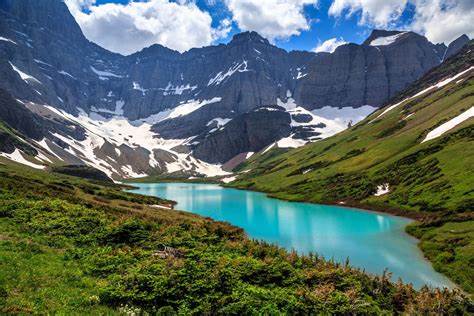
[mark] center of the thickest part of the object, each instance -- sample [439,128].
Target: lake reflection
[370,240]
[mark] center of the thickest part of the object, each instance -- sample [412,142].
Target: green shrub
[129,232]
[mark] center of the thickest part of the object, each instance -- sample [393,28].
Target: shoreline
[414,218]
[413,215]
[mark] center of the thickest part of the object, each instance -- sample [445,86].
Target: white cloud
[182,25]
[439,20]
[128,28]
[77,5]
[271,18]
[374,12]
[444,21]
[330,45]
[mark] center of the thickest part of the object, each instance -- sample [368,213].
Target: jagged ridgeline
[414,157]
[196,113]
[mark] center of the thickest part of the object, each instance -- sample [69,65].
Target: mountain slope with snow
[415,153]
[160,111]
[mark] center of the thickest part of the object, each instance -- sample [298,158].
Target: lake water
[370,240]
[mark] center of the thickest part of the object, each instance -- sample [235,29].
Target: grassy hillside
[432,181]
[70,246]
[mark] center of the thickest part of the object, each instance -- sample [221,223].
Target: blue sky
[125,26]
[323,27]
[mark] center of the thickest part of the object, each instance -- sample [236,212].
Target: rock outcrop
[455,46]
[245,133]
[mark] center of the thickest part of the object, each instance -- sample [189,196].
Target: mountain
[412,157]
[455,46]
[160,111]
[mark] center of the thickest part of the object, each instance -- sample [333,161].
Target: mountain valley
[192,114]
[125,180]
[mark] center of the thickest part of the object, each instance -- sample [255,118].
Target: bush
[129,232]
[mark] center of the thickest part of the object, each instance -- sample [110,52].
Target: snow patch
[187,162]
[161,206]
[7,40]
[436,86]
[268,148]
[24,76]
[181,110]
[85,150]
[118,108]
[345,115]
[387,40]
[326,121]
[440,130]
[267,109]
[219,121]
[331,126]
[128,171]
[118,130]
[18,157]
[42,157]
[229,179]
[187,108]
[46,147]
[382,189]
[220,77]
[177,90]
[290,142]
[300,74]
[42,62]
[290,103]
[64,73]
[136,86]
[104,75]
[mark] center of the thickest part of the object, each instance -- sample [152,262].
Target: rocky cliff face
[243,134]
[455,46]
[370,73]
[161,109]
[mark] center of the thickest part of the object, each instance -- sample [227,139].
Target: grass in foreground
[64,249]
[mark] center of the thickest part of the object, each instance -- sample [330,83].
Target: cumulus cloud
[181,24]
[274,19]
[444,21]
[128,28]
[330,45]
[78,5]
[374,12]
[439,20]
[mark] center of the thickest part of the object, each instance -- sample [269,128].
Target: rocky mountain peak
[456,45]
[249,36]
[376,33]
[49,15]
[156,50]
[464,38]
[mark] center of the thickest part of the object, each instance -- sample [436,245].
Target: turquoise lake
[372,241]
